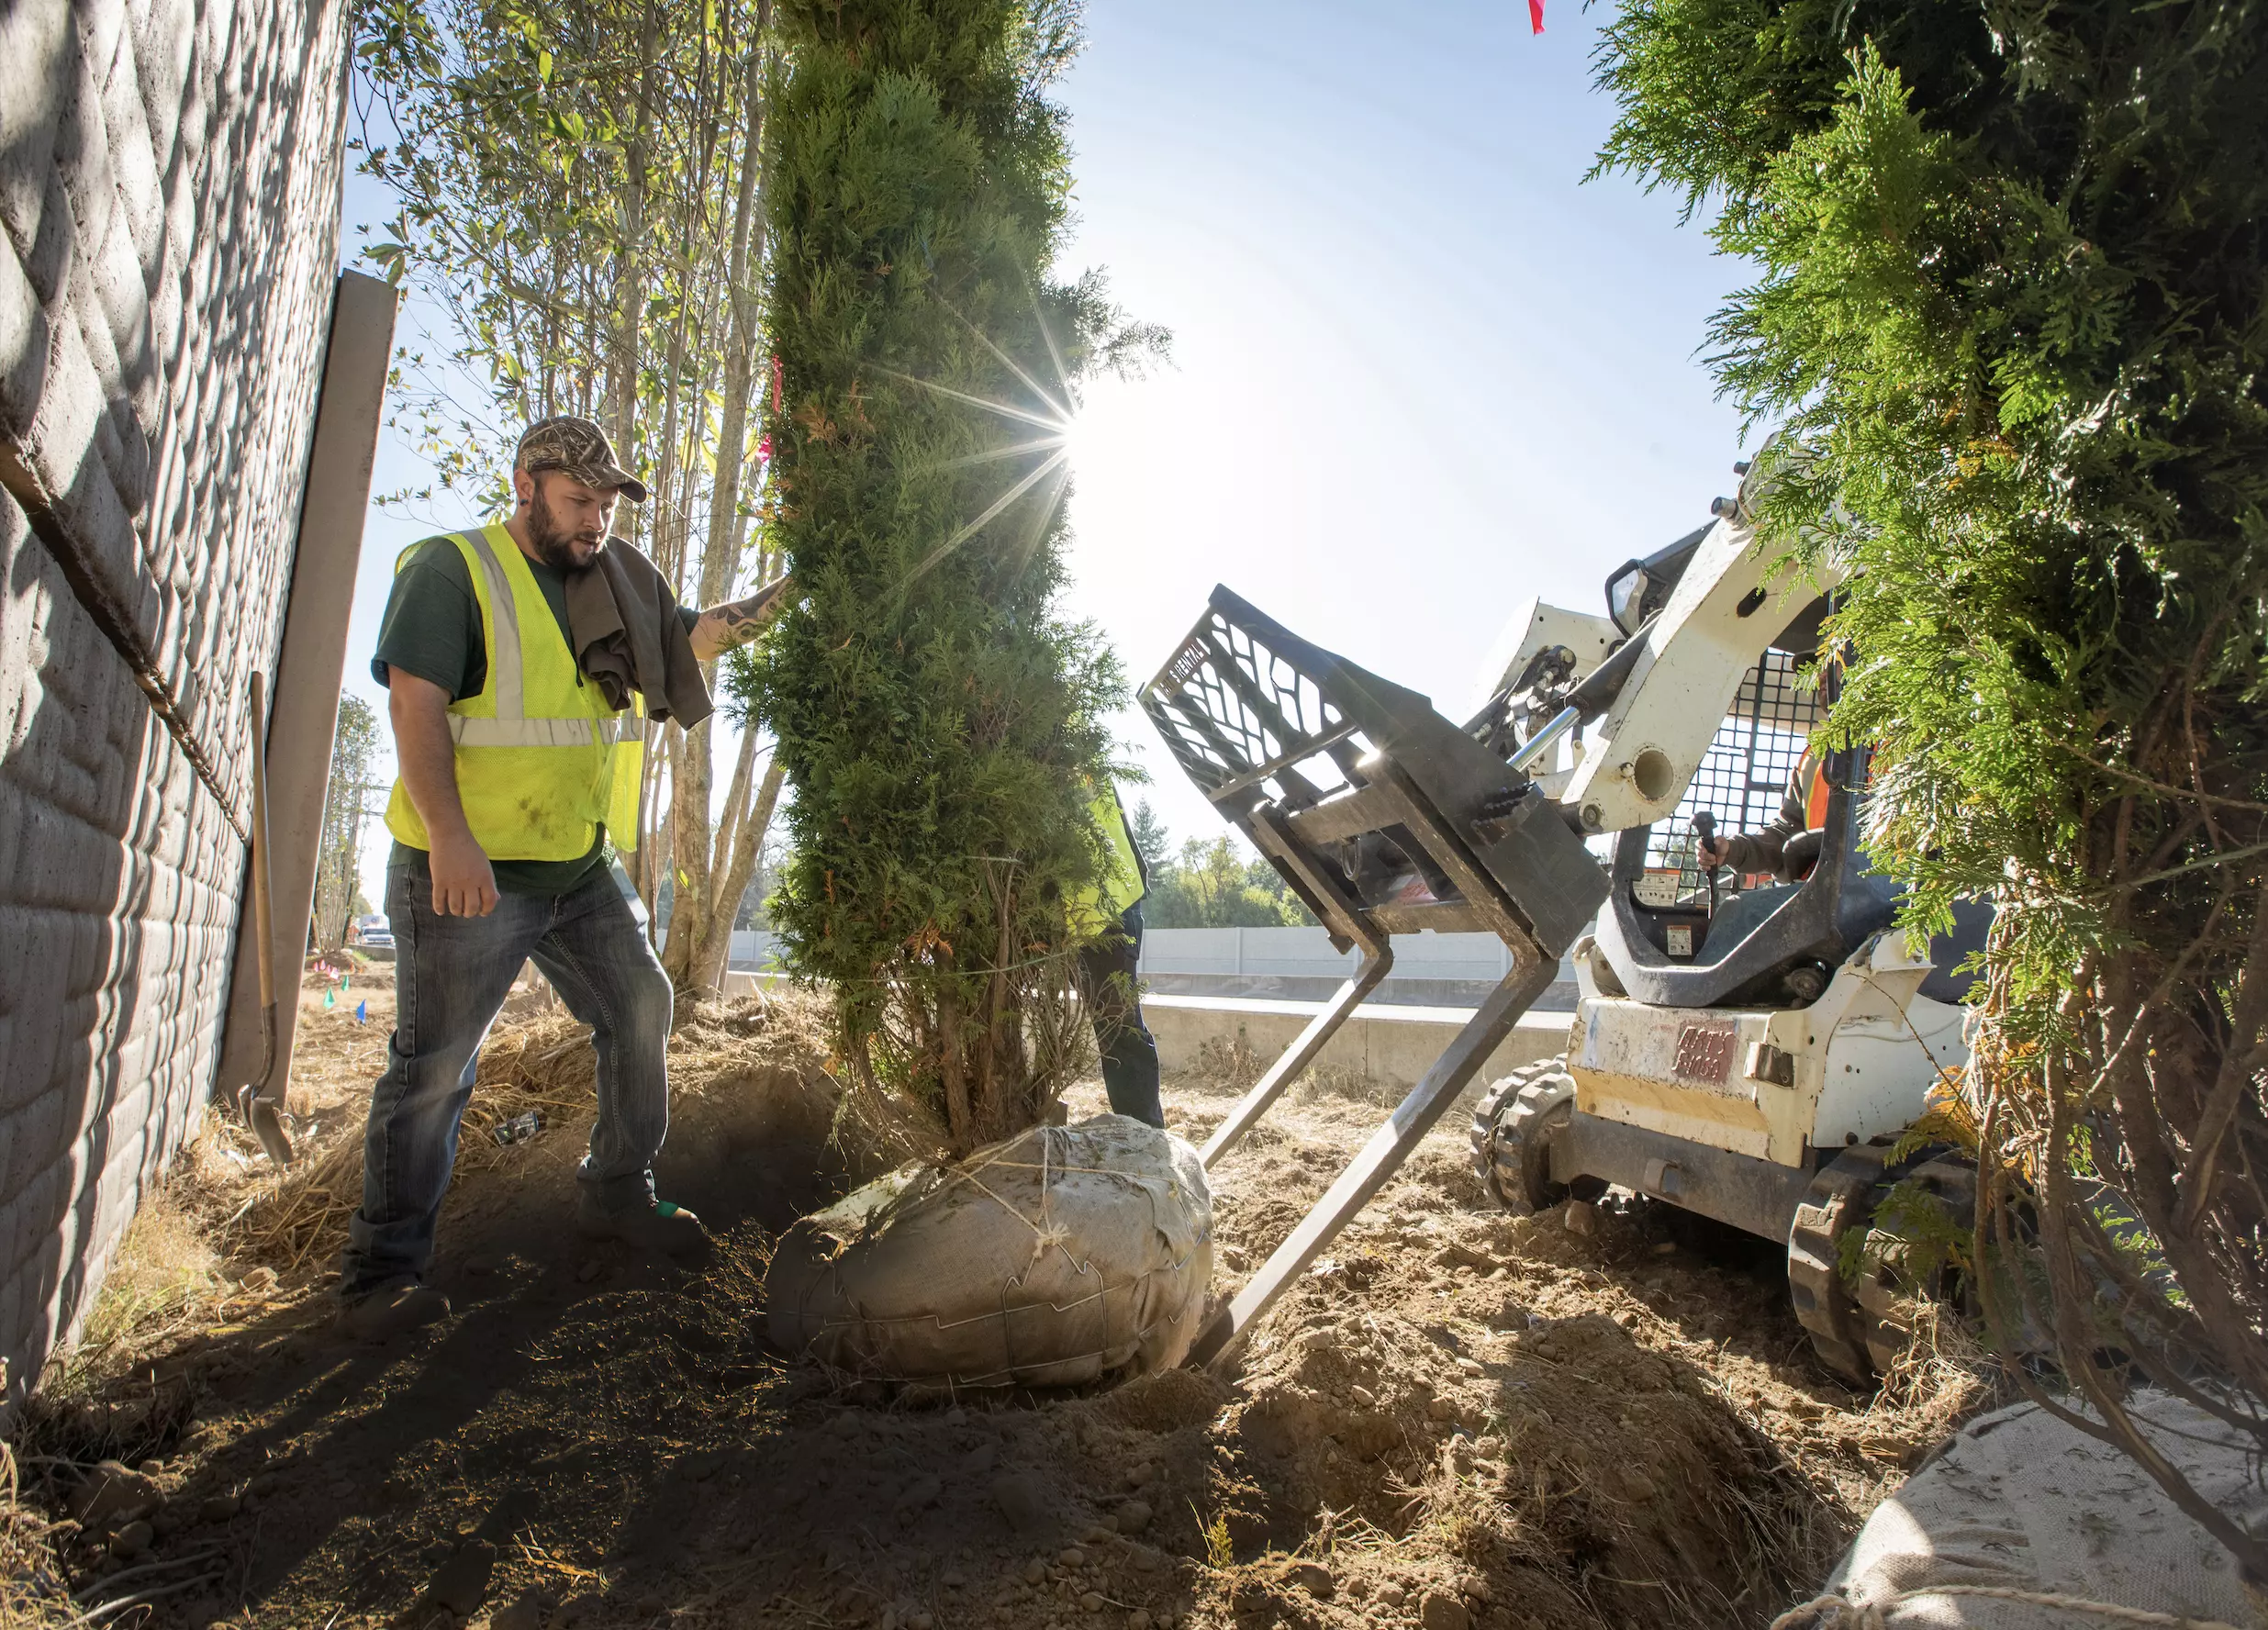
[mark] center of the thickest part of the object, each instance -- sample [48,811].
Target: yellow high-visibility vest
[541,759]
[1093,910]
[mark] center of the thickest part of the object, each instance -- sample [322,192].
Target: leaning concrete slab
[305,717]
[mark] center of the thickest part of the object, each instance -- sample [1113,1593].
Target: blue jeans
[451,974]
[1129,1052]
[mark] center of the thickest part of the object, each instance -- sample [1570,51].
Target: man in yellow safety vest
[1107,967]
[520,748]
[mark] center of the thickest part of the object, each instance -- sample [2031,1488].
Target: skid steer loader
[1742,1048]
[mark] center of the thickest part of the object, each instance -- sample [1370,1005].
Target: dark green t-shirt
[431,629]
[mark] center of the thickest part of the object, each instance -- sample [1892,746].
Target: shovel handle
[260,1106]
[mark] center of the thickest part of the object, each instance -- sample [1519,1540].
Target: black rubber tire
[1841,1198]
[1512,1133]
[1860,1327]
[1892,1275]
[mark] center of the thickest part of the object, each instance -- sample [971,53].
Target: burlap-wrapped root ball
[1057,1258]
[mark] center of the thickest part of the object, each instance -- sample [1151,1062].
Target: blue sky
[1422,370]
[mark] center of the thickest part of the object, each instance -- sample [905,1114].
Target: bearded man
[523,662]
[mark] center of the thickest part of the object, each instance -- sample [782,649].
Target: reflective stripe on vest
[543,732]
[533,788]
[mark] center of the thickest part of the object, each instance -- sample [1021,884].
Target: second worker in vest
[523,661]
[1113,913]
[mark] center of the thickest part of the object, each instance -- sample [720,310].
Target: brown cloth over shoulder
[622,620]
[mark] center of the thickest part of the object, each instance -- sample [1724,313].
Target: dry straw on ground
[295,1220]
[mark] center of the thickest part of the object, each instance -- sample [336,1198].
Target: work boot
[392,1309]
[656,1224]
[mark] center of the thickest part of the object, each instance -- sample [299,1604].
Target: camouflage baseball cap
[580,448]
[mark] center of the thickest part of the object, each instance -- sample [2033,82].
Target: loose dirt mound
[1459,1418]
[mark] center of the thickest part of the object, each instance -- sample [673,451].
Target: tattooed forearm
[736,622]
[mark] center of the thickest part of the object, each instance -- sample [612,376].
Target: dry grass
[229,1239]
[1234,1064]
[34,1591]
[1540,1506]
[1944,1376]
[164,1281]
[295,1220]
[107,1397]
[1463,1514]
[1340,1081]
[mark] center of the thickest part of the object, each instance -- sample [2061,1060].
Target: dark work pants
[451,974]
[1129,1053]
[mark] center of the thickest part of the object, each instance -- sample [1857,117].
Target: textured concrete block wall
[169,195]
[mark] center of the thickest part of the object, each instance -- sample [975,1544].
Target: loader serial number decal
[1705,1054]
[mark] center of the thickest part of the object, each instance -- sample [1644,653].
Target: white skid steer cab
[1746,1048]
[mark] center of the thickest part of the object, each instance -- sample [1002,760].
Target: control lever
[1704,829]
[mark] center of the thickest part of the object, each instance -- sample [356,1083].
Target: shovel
[261,1102]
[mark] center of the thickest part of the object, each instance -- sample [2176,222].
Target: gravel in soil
[1459,1418]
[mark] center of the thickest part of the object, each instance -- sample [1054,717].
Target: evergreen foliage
[941,725]
[2012,308]
[1150,837]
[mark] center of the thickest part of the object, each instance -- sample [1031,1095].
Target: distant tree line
[1209,885]
[347,805]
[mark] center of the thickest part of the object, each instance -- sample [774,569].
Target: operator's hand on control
[465,884]
[1715,852]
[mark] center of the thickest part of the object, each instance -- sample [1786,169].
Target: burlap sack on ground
[2022,1502]
[1057,1258]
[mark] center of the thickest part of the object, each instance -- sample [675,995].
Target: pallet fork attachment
[1297,1056]
[1385,819]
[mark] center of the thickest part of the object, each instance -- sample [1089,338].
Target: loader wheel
[1512,1133]
[1860,1327]
[1894,1271]
[1841,1198]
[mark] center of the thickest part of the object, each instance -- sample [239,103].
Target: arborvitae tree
[941,725]
[2012,300]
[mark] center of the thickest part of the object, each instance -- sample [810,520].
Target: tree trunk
[630,294]
[702,921]
[646,871]
[748,846]
[690,902]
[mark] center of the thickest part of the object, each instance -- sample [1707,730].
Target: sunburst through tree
[941,722]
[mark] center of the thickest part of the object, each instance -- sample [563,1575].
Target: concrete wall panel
[169,197]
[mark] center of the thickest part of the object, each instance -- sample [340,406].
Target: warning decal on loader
[1657,888]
